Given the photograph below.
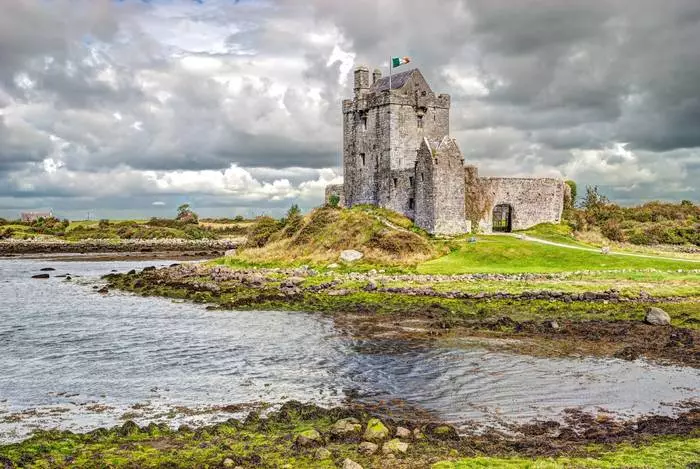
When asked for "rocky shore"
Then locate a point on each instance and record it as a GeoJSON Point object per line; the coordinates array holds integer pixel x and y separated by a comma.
{"type": "Point", "coordinates": [209, 247]}
{"type": "Point", "coordinates": [550, 322]}
{"type": "Point", "coordinates": [350, 437]}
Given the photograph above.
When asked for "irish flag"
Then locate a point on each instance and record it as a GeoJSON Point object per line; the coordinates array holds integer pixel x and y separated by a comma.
{"type": "Point", "coordinates": [398, 61]}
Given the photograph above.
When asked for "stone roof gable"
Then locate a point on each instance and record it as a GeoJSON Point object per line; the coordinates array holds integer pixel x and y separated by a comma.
{"type": "Point", "coordinates": [398, 81]}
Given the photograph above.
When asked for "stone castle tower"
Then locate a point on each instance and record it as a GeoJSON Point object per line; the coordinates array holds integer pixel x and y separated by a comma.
{"type": "Point", "coordinates": [383, 130]}
{"type": "Point", "coordinates": [397, 154]}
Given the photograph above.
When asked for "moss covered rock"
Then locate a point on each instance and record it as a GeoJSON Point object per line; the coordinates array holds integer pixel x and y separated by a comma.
{"type": "Point", "coordinates": [376, 431]}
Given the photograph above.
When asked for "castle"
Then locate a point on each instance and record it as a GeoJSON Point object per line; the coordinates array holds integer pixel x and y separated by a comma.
{"type": "Point", "coordinates": [398, 154]}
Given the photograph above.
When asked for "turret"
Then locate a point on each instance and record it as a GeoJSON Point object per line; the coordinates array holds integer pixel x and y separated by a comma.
{"type": "Point", "coordinates": [361, 81]}
{"type": "Point", "coordinates": [376, 75]}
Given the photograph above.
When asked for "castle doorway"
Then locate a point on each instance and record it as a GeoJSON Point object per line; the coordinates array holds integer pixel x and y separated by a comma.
{"type": "Point", "coordinates": [502, 218]}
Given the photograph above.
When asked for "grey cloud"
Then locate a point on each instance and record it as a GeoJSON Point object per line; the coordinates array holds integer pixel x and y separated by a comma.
{"type": "Point", "coordinates": [558, 77]}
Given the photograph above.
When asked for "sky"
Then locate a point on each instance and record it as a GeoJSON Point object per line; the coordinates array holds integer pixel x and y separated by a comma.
{"type": "Point", "coordinates": [129, 108]}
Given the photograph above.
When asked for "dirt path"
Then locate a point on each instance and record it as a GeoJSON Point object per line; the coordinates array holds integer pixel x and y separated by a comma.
{"type": "Point", "coordinates": [581, 248]}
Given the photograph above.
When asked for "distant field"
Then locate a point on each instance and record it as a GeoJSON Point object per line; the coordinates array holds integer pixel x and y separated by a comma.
{"type": "Point", "coordinates": [506, 254]}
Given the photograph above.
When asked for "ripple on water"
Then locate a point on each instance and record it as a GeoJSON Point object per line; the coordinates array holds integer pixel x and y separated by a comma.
{"type": "Point", "coordinates": [62, 345]}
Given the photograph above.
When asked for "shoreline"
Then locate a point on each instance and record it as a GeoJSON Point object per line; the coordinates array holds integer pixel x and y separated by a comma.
{"type": "Point", "coordinates": [306, 435]}
{"type": "Point", "coordinates": [215, 247]}
{"type": "Point", "coordinates": [604, 322]}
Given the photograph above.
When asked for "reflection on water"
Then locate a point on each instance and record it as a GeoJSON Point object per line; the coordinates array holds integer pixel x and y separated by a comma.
{"type": "Point", "coordinates": [73, 358]}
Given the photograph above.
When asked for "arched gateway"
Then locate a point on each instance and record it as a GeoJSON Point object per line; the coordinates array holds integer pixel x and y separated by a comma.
{"type": "Point", "coordinates": [502, 218]}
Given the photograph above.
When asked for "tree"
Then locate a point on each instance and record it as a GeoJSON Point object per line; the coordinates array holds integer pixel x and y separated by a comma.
{"type": "Point", "coordinates": [574, 193]}
{"type": "Point", "coordinates": [594, 199]}
{"type": "Point", "coordinates": [185, 214]}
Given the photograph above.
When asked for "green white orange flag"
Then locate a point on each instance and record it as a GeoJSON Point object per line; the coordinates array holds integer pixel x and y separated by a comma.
{"type": "Point", "coordinates": [397, 61]}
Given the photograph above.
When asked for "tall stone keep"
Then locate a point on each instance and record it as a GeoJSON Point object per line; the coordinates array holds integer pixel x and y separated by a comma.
{"type": "Point", "coordinates": [383, 128]}
{"type": "Point", "coordinates": [398, 154]}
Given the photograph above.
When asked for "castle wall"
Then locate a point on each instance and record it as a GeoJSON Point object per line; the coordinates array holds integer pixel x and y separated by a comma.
{"type": "Point", "coordinates": [440, 188]}
{"type": "Point", "coordinates": [532, 200]}
{"type": "Point", "coordinates": [335, 189]}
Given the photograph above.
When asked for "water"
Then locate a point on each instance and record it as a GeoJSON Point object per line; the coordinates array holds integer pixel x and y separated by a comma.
{"type": "Point", "coordinates": [73, 358]}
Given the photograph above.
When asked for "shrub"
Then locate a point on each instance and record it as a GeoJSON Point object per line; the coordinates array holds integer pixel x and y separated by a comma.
{"type": "Point", "coordinates": [261, 231]}
{"type": "Point", "coordinates": [334, 201]}
{"type": "Point", "coordinates": [612, 230]}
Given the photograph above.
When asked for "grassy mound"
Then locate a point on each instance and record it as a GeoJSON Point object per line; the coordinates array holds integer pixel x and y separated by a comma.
{"type": "Point", "coordinates": [383, 237]}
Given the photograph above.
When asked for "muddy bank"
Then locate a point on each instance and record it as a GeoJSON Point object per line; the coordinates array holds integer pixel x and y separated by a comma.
{"type": "Point", "coordinates": [301, 435]}
{"type": "Point", "coordinates": [545, 322]}
{"type": "Point", "coordinates": [627, 340]}
{"type": "Point", "coordinates": [205, 246]}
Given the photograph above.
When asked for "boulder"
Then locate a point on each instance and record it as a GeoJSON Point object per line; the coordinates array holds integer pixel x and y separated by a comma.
{"type": "Point", "coordinates": [346, 426]}
{"type": "Point", "coordinates": [309, 438]}
{"type": "Point", "coordinates": [333, 266]}
{"type": "Point", "coordinates": [394, 446]}
{"type": "Point", "coordinates": [376, 430]}
{"type": "Point", "coordinates": [322, 453]}
{"type": "Point", "coordinates": [228, 462]}
{"type": "Point", "coordinates": [657, 317]}
{"type": "Point", "coordinates": [367, 448]}
{"type": "Point", "coordinates": [350, 464]}
{"type": "Point", "coordinates": [41, 276]}
{"type": "Point", "coordinates": [47, 269]}
{"type": "Point", "coordinates": [350, 255]}
{"type": "Point", "coordinates": [402, 432]}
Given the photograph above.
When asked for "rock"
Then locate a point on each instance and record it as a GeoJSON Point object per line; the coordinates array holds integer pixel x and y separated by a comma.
{"type": "Point", "coordinates": [322, 453]}
{"type": "Point", "coordinates": [333, 266]}
{"type": "Point", "coordinates": [295, 280]}
{"type": "Point", "coordinates": [417, 434]}
{"type": "Point", "coordinates": [367, 448]}
{"type": "Point", "coordinates": [376, 430]}
{"type": "Point", "coordinates": [309, 438]}
{"type": "Point", "coordinates": [402, 432]}
{"type": "Point", "coordinates": [394, 446]}
{"type": "Point", "coordinates": [350, 255]}
{"type": "Point", "coordinates": [657, 317]}
{"type": "Point", "coordinates": [228, 462]}
{"type": "Point", "coordinates": [350, 464]}
{"type": "Point", "coordinates": [346, 426]}
{"type": "Point", "coordinates": [150, 268]}
{"type": "Point", "coordinates": [230, 253]}
{"type": "Point", "coordinates": [47, 269]}
{"type": "Point", "coordinates": [103, 290]}
{"type": "Point", "coordinates": [41, 276]}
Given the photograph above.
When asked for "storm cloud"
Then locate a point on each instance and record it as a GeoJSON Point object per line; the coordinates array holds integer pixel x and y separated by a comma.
{"type": "Point", "coordinates": [234, 106]}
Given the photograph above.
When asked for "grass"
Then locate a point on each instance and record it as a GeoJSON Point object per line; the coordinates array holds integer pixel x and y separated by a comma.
{"type": "Point", "coordinates": [667, 453]}
{"type": "Point", "coordinates": [321, 236]}
{"type": "Point", "coordinates": [270, 442]}
{"type": "Point", "coordinates": [560, 233]}
{"type": "Point", "coordinates": [506, 254]}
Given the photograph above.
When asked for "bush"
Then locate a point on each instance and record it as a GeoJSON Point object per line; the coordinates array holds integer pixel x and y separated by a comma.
{"type": "Point", "coordinates": [261, 231]}
{"type": "Point", "coordinates": [612, 230]}
{"type": "Point", "coordinates": [334, 201]}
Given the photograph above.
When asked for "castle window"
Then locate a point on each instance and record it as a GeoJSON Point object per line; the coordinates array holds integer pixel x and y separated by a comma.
{"type": "Point", "coordinates": [362, 157]}
{"type": "Point", "coordinates": [421, 177]}
{"type": "Point", "coordinates": [420, 122]}
{"type": "Point", "coordinates": [411, 203]}
{"type": "Point", "coordinates": [363, 118]}
{"type": "Point", "coordinates": [410, 180]}
{"type": "Point", "coordinates": [396, 181]}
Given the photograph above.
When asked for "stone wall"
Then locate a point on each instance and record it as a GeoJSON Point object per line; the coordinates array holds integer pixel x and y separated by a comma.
{"type": "Point", "coordinates": [335, 189]}
{"type": "Point", "coordinates": [532, 200]}
{"type": "Point", "coordinates": [440, 188]}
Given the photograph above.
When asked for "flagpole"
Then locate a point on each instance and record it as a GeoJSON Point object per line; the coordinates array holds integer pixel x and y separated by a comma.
{"type": "Point", "coordinates": [390, 70]}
